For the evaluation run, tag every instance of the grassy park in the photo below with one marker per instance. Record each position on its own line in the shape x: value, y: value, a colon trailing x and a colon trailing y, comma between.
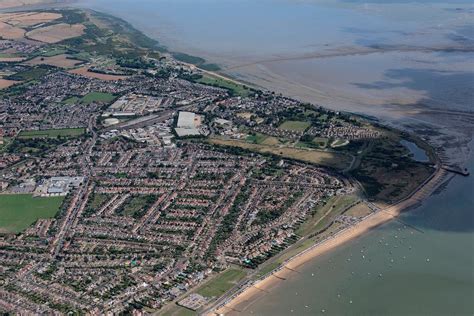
x: 297, y: 126
x: 98, y: 97
x: 18, y: 211
x: 52, y: 133
x: 220, y: 284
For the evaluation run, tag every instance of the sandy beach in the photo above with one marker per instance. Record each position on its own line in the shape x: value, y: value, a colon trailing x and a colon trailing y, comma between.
x: 249, y: 292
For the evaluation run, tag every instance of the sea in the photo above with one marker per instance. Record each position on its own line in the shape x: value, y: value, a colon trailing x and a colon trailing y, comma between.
x: 408, y: 63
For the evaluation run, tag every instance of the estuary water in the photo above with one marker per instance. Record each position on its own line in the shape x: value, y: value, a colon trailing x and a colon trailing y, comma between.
x: 408, y: 62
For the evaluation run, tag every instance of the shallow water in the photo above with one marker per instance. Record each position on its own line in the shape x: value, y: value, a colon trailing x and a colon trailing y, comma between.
x: 418, y: 154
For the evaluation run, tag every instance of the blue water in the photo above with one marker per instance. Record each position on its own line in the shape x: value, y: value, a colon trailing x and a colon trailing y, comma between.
x: 418, y: 154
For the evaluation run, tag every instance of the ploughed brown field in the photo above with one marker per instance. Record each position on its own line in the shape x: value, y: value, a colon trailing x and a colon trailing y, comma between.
x: 18, y: 3
x: 61, y: 61
x: 11, y: 59
x: 11, y: 32
x: 4, y: 83
x: 56, y: 33
x: 84, y: 71
x: 26, y: 19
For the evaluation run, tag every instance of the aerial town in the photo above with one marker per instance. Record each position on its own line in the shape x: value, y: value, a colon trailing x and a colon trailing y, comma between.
x: 142, y: 179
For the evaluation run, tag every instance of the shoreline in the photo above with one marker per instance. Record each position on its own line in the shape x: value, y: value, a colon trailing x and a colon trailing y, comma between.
x: 254, y: 288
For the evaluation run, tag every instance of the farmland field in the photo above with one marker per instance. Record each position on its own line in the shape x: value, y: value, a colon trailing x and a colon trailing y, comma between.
x: 52, y: 133
x: 26, y: 19
x: 61, y: 60
x: 18, y: 211
x: 84, y: 71
x: 56, y: 33
x: 10, y: 32
x: 4, y: 83
x: 33, y: 73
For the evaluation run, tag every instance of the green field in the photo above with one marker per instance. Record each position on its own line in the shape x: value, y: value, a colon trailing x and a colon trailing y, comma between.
x: 234, y: 88
x: 52, y: 133
x: 325, y: 214
x: 257, y: 138
x: 137, y: 206
x: 53, y: 51
x: 18, y: 211
x: 263, y: 139
x: 97, y: 97
x: 221, y: 283
x: 7, y: 55
x: 30, y: 74
x: 321, y: 141
x: 90, y: 97
x: 298, y: 126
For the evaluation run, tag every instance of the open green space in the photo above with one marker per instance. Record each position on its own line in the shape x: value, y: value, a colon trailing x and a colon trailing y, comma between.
x: 321, y: 141
x: 33, y: 146
x: 18, y: 211
x: 71, y: 100
x: 234, y: 88
x: 322, y: 216
x: 386, y: 171
x: 223, y: 282
x: 190, y: 59
x: 256, y: 138
x: 52, y: 133
x: 95, y: 203
x: 99, y: 97
x: 178, y: 311
x: 137, y: 206
x: 298, y: 126
x: 8, y: 55
x: 324, y: 158
x: 263, y: 139
x: 33, y: 73
x: 53, y: 51
x: 98, y: 200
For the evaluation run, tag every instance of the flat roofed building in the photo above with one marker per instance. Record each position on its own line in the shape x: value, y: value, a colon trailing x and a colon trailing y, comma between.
x: 188, y: 124
x: 186, y: 120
